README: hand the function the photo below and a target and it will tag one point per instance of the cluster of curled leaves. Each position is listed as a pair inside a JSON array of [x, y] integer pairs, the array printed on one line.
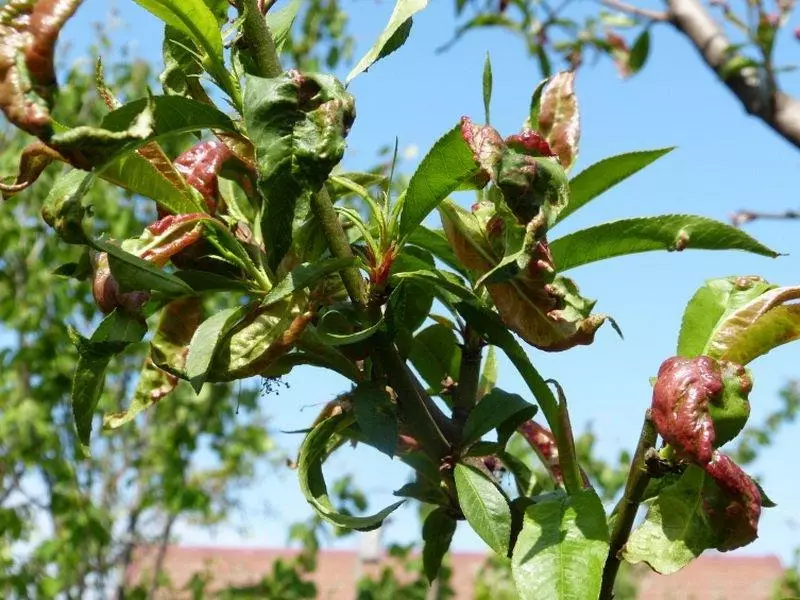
[[244, 273], [700, 403]]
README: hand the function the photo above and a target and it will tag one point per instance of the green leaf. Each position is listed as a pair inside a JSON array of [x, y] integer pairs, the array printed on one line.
[[326, 330], [451, 286], [602, 176], [376, 415], [392, 37], [280, 23], [194, 19], [644, 234], [639, 52], [112, 336], [407, 309], [297, 144], [489, 374], [444, 169], [435, 354], [435, 242], [487, 88], [437, 533], [676, 529], [491, 327], [315, 449], [562, 548], [485, 507], [706, 310], [493, 412], [305, 276], [138, 175], [171, 115], [205, 341], [134, 274]]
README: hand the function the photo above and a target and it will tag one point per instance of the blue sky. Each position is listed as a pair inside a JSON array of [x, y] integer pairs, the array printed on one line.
[[724, 161]]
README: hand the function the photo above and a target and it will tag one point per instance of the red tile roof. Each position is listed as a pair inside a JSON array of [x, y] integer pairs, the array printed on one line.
[[712, 577], [716, 577]]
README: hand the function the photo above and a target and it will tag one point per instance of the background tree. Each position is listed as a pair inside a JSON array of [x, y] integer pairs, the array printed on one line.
[[737, 43], [69, 527]]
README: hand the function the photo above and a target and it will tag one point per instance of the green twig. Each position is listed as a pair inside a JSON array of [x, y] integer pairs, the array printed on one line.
[[424, 419], [626, 509], [259, 39], [466, 393]]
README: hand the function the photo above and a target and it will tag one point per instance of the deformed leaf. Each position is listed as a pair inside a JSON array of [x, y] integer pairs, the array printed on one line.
[[260, 338], [564, 535], [559, 120], [28, 33], [489, 374], [752, 329], [314, 451], [485, 507], [437, 533], [710, 304], [392, 37], [134, 274], [170, 344], [644, 234], [153, 385], [298, 142]]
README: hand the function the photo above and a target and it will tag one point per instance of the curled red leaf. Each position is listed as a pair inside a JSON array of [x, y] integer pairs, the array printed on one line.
[[543, 443], [170, 235], [106, 292], [28, 33], [737, 509], [200, 166], [681, 396]]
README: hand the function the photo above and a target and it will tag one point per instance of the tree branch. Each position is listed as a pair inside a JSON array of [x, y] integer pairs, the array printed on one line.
[[259, 39], [777, 109], [638, 478], [650, 15]]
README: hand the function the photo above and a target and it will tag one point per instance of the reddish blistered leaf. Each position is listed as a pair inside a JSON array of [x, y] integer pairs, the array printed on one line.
[[28, 33], [176, 326], [200, 166], [700, 404], [735, 508], [546, 310], [543, 443], [680, 411], [521, 166], [106, 290], [168, 236], [486, 145], [559, 120]]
